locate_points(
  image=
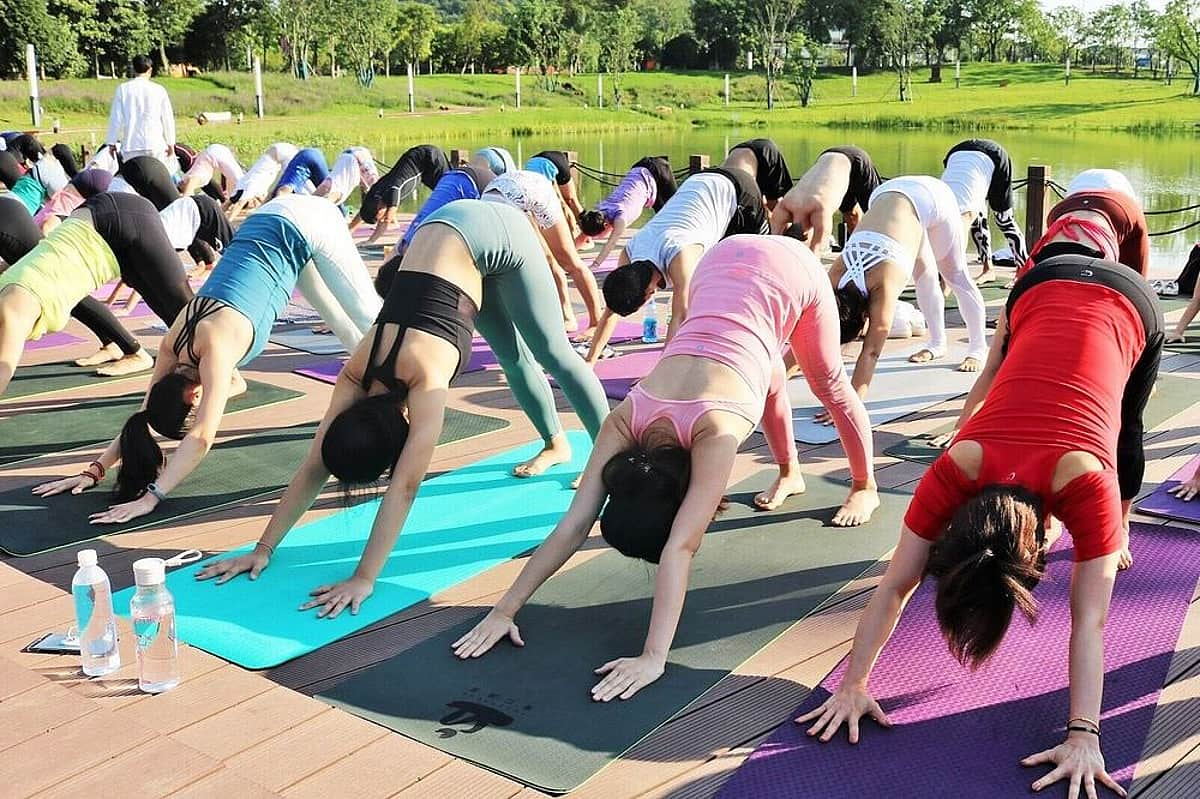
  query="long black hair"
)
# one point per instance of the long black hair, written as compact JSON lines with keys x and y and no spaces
{"x":853,"y":311}
{"x":645,"y":489}
{"x":169,"y":414}
{"x":363,"y":442}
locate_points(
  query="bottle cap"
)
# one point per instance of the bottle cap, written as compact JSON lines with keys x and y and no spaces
{"x":149,"y":571}
{"x":85,"y":558}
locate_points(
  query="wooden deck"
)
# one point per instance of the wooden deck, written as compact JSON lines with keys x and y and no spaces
{"x":230,"y":732}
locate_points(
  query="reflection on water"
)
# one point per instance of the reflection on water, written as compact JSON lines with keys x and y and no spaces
{"x":1164,"y":170}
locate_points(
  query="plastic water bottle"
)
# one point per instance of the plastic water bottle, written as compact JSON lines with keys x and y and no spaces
{"x":94,"y":617}
{"x":650,"y":322}
{"x":152,"y":610}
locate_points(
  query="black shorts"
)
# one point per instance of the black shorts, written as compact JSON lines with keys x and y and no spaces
{"x":773,"y":177}
{"x":561,"y":163}
{"x":664,"y":179}
{"x":750,"y":216}
{"x":864,"y":178}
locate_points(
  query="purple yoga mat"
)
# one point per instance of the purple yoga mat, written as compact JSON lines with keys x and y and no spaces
{"x":618,"y":375}
{"x":325,"y":371}
{"x":1160,"y":503}
{"x":52,"y":340}
{"x":958,"y":733}
{"x":482,"y":356}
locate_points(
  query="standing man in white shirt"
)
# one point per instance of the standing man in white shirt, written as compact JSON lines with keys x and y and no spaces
{"x":142,"y":120}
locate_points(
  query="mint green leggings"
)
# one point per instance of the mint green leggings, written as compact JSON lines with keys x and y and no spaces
{"x":521,"y":317}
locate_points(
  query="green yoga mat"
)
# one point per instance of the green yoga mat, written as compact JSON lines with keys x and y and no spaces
{"x":1173,"y":395}
{"x":1191,"y":342}
{"x":527,"y":713}
{"x":30,"y":435}
{"x":233,"y":472}
{"x":990,"y":292}
{"x":463,"y":522}
{"x":49,"y":378}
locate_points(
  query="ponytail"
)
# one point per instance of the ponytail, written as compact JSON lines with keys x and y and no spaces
{"x":141,"y":458}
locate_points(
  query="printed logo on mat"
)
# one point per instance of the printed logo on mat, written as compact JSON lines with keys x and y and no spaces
{"x":469,"y":716}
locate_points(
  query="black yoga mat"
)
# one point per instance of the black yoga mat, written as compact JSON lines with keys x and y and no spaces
{"x":32,"y":434}
{"x":233,"y":472}
{"x":49,"y":378}
{"x":527,"y":713}
{"x":1172,"y":395}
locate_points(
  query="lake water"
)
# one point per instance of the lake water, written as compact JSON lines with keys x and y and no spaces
{"x":1166,"y":171}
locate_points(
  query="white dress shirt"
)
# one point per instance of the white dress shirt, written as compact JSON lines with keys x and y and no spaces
{"x":142,"y":119}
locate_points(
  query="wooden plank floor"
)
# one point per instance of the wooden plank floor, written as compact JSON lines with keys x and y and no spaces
{"x":230,"y":732}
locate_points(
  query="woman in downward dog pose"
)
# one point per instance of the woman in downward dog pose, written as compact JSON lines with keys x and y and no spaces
{"x":227,"y":325}
{"x":663,"y":458}
{"x":216,"y":161}
{"x":354,"y":168}
{"x":1060,"y":433}
{"x":424,"y":163}
{"x":258,"y":181}
{"x":79,"y":188}
{"x":979,"y":172}
{"x":303,"y":173}
{"x":913,"y":229}
{"x":649,"y":184}
{"x":387,"y":409}
{"x":842,"y":179}
{"x":762,"y":159}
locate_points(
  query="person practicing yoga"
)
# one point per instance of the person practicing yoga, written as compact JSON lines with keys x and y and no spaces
{"x":41,"y":166}
{"x":256,"y":185}
{"x":111,"y":236}
{"x":224,"y":327}
{"x":303,"y":173}
{"x":147,"y":176}
{"x":466,"y":182}
{"x":979,"y":171}
{"x":658,"y":472}
{"x":842,"y":179}
{"x":648,"y":184}
{"x":664,"y":253}
{"x":21,"y":186}
{"x":381,"y":202}
{"x":213,"y":162}
{"x":555,"y":166}
{"x":534,"y":195}
{"x":354,"y":168}
{"x":912,"y":229}
{"x":1101,"y":180}
{"x":470,"y":264}
{"x":762,"y":159}
{"x":1060,"y":433}
{"x":79,"y":188}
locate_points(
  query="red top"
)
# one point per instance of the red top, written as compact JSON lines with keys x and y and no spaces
{"x":1124,"y":216}
{"x":1071,"y":349}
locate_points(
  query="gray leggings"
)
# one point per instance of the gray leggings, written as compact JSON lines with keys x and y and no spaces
{"x":521,"y":317}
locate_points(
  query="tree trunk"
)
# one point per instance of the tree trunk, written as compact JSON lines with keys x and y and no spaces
{"x":935,"y":70}
{"x":1196,"y":78}
{"x":162,"y":54}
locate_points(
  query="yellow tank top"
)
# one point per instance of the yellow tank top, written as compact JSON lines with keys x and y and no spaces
{"x":66,"y":266}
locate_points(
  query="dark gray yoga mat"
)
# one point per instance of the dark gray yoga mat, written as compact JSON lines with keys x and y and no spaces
{"x":48,"y":378}
{"x":527,"y":713}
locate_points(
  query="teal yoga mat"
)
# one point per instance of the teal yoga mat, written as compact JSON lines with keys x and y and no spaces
{"x":1173,"y":395}
{"x":462,"y":523}
{"x":25,"y":436}
{"x":528,"y":713}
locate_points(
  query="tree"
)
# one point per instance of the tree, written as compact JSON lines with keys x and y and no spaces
{"x":536,"y":33}
{"x":1071,"y":27}
{"x":1112,"y":28}
{"x":948,"y":24}
{"x":662,"y":21}
{"x":1179,"y":35}
{"x":412,"y":31}
{"x":801,"y":65}
{"x":724,"y":27}
{"x":222,"y":31}
{"x":1144,"y":25}
{"x":81,"y":17}
{"x":169,"y":21}
{"x":618,"y":47}
{"x":125,"y":32}
{"x":776,"y":21}
{"x":993,"y":20}
{"x":29,"y":22}
{"x":903,"y":28}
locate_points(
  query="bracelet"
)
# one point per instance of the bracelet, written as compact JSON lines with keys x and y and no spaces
{"x":270,"y":549}
{"x":1078,"y":728}
{"x":100,"y":470}
{"x":1085,"y":720}
{"x":158,"y":493}
{"x":87,"y":473}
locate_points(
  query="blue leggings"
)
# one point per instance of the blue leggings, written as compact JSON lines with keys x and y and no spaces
{"x":307,"y":165}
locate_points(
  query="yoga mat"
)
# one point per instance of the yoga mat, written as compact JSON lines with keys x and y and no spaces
{"x":325,"y":371}
{"x":302,"y":338}
{"x":991,"y":292}
{"x":620,"y":374}
{"x":528,"y":713}
{"x":898,"y":389}
{"x":462,"y":523}
{"x":29,"y":435}
{"x":1160,"y":503}
{"x":1172,"y":396}
{"x":963,"y":733}
{"x":52,"y":340}
{"x":482,"y":356}
{"x":1191,"y":345}
{"x":49,"y":378}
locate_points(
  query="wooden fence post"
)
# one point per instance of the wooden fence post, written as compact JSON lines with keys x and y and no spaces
{"x":697,"y":162}
{"x":459,"y":157}
{"x":573,"y":159}
{"x":1036,"y":202}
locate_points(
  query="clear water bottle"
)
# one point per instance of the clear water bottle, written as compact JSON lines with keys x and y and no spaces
{"x":650,"y":322}
{"x":94,"y":619}
{"x":152,"y":610}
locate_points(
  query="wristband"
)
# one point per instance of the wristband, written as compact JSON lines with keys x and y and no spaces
{"x":1085,"y":720}
{"x":270,"y":549}
{"x":158,"y":493}
{"x":1080,"y":728}
{"x":86,"y":473}
{"x":100,"y":470}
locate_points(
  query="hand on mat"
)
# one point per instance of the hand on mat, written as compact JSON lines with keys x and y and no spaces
{"x":848,"y":705}
{"x":943,"y":440}
{"x":624,"y":677}
{"x":76,"y":484}
{"x":333,"y":599}
{"x":116,"y":514}
{"x":1079,"y":759}
{"x":1186,"y":490}
{"x":228,"y":568}
{"x":486,"y":634}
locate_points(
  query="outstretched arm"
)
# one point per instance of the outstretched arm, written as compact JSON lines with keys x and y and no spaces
{"x":879,"y":325}
{"x":614,"y":238}
{"x":604,"y":330}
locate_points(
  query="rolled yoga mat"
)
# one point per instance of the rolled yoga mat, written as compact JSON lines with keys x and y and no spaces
{"x":462,"y":523}
{"x":1172,"y":396}
{"x":26,"y":436}
{"x":898,"y":389}
{"x":528,"y":714}
{"x":302,"y":338}
{"x":1160,"y":503}
{"x":51,"y":378}
{"x":963,"y":733}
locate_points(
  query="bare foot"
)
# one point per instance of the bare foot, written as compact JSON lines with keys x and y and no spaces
{"x":857,"y":508}
{"x":924,"y":355}
{"x":986,"y":276}
{"x":969,"y":364}
{"x":785,"y":485}
{"x":1126,"y":558}
{"x":584,"y":336}
{"x":237,"y":385}
{"x":556,"y":452}
{"x":106,"y":354}
{"x":140,"y":361}
{"x":569,"y":320}
{"x":576,"y":481}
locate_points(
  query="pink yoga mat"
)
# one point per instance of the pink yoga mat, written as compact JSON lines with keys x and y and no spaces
{"x":618,"y":375}
{"x":958,"y":733}
{"x":482,"y":356}
{"x":52,"y":340}
{"x":1160,"y":503}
